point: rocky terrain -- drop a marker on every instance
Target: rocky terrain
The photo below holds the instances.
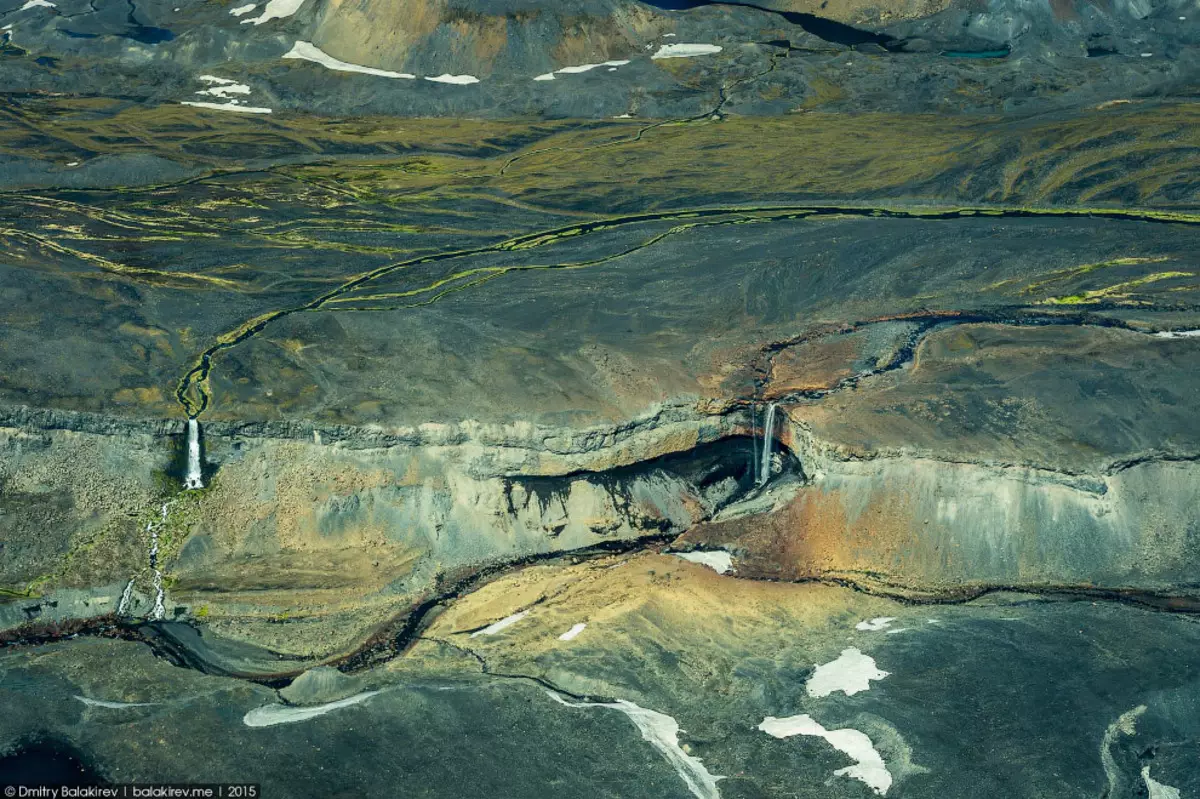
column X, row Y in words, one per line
column 625, row 374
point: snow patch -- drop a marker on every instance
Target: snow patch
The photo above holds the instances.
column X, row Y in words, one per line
column 868, row 767
column 461, row 80
column 876, row 624
column 112, row 705
column 245, row 109
column 37, row 4
column 1156, row 789
column 276, row 9
column 1178, row 334
column 224, row 91
column 719, row 561
column 308, row 51
column 506, row 622
column 222, row 88
column 662, row 732
column 685, row 50
column 571, row 633
column 612, row 66
column 243, row 10
column 851, row 673
column 587, row 67
column 270, row 715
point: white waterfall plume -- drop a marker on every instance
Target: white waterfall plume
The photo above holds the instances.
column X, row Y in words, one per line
column 754, row 440
column 126, row 595
column 764, row 473
column 153, row 529
column 194, row 478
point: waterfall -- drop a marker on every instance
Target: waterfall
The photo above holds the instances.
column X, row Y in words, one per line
column 159, row 608
column 193, row 479
column 754, row 441
column 764, row 473
column 126, row 595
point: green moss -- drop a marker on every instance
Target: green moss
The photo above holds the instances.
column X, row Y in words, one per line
column 1118, row 290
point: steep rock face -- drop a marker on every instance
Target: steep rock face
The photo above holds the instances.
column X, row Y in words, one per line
column 994, row 458
column 934, row 526
column 340, row 530
column 929, row 458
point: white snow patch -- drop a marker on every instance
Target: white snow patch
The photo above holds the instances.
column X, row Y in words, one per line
column 245, row 109
column 623, row 116
column 575, row 70
column 224, row 91
column 1156, row 789
column 685, row 50
column 876, row 624
column 242, row 10
column 896, row 630
column 851, row 673
column 1178, row 334
column 461, row 80
column 36, row 4
column 270, row 715
column 571, row 633
column 276, row 9
column 507, row 621
column 662, row 732
column 310, row 52
column 222, row 88
column 868, row 763
column 112, row 705
column 719, row 561
column 588, row 67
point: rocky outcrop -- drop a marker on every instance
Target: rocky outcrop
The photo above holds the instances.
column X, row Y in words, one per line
column 341, row 529
column 999, row 456
column 931, row 459
column 930, row 528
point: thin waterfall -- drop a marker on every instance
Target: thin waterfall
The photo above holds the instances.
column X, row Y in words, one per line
column 764, row 473
column 194, row 477
column 754, row 442
column 159, row 594
column 126, row 595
